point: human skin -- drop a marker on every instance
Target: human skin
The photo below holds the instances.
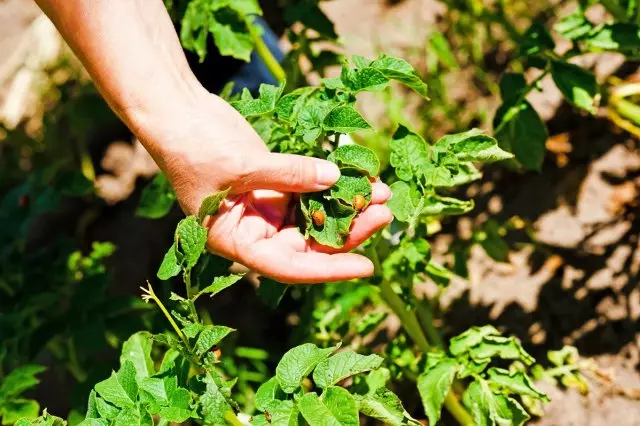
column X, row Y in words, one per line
column 203, row 145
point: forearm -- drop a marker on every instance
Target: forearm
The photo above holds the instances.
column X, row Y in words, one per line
column 133, row 54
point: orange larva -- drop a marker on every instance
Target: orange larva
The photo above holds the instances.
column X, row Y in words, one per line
column 318, row 218
column 216, row 352
column 358, row 202
column 267, row 416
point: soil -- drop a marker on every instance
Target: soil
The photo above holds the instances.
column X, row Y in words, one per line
column 577, row 283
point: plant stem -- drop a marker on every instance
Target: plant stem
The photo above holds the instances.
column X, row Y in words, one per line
column 425, row 315
column 190, row 300
column 411, row 325
column 232, row 419
column 265, row 54
column 614, row 8
column 150, row 294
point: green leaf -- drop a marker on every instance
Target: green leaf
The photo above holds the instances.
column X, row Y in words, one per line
column 409, row 258
column 20, row 380
column 137, row 350
column 536, row 40
column 15, row 409
column 409, row 153
column 267, row 392
column 282, row 413
column 211, row 204
column 488, row 409
column 288, row 106
column 359, row 80
column 297, row 363
column 578, row 85
column 370, row 321
column 472, row 145
column 210, row 336
column 265, row 104
column 337, row 223
column 92, row 409
column 345, row 119
column 121, row 388
column 220, row 283
column 502, row 347
column 170, row 266
column 465, row 341
column 436, row 205
column 385, row 406
column 342, row 365
column 213, row 402
column 45, row 419
column 271, row 292
column 438, row 273
column 157, row 198
column 401, row 71
column 166, row 399
column 132, row 416
column 406, row 202
column 434, row 385
column 357, row 157
column 518, row 127
column 351, row 184
column 619, row 37
column 106, row 410
column 517, row 382
column 336, row 408
column 192, row 239
column 439, row 44
column 574, row 26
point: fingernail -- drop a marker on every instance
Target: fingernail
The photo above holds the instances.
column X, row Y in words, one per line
column 327, row 173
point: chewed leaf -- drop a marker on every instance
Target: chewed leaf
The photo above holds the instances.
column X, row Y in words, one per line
column 384, row 405
column 345, row 119
column 357, row 157
column 465, row 341
column 501, row 347
column 350, row 185
column 336, row 222
column 409, row 153
column 342, row 365
column 517, row 382
column 297, row 363
column 473, row 146
column 266, row 102
column 436, row 205
column 211, row 204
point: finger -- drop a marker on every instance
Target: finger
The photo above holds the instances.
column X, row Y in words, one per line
column 289, row 173
column 364, row 226
column 380, row 193
column 282, row 259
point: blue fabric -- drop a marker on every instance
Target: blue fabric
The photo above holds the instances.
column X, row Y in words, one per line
column 254, row 73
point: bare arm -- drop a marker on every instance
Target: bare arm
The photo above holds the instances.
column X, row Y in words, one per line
column 132, row 52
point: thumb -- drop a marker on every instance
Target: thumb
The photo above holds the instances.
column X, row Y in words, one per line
column 290, row 173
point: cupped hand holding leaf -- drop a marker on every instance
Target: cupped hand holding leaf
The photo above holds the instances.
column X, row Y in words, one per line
column 215, row 148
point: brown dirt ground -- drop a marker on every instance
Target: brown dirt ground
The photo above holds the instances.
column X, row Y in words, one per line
column 578, row 285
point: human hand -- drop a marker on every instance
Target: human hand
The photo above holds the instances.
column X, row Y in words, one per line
column 214, row 148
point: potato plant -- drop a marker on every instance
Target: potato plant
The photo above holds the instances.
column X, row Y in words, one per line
column 480, row 377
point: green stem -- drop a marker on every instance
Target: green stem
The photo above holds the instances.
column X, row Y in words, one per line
column 265, row 54
column 614, row 8
column 425, row 315
column 190, row 295
column 150, row 294
column 411, row 325
column 232, row 419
